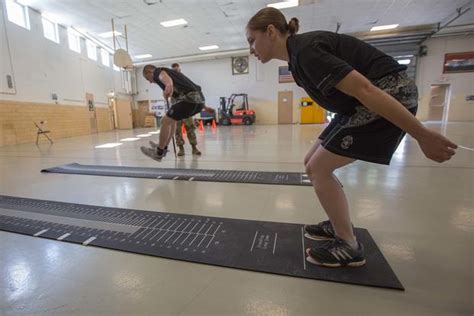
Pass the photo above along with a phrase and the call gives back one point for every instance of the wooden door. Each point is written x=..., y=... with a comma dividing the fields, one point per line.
x=143, y=110
x=124, y=114
x=285, y=107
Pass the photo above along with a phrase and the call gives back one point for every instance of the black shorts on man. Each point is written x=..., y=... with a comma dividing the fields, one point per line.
x=185, y=105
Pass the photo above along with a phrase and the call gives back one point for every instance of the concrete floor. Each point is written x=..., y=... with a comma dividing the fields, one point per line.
x=419, y=212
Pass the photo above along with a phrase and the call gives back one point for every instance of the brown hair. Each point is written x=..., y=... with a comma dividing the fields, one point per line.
x=174, y=65
x=263, y=18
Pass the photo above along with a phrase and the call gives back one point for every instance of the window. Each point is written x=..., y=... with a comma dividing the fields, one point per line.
x=91, y=50
x=104, y=55
x=18, y=14
x=116, y=68
x=74, y=40
x=50, y=30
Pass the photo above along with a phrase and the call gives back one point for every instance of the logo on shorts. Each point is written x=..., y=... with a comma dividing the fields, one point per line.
x=347, y=142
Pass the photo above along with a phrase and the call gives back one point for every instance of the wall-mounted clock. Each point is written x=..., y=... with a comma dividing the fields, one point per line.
x=240, y=65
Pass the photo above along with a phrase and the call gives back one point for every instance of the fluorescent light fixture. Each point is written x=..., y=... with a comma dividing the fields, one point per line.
x=384, y=27
x=142, y=56
x=404, y=61
x=157, y=132
x=109, y=145
x=209, y=47
x=143, y=135
x=109, y=34
x=284, y=4
x=130, y=139
x=174, y=22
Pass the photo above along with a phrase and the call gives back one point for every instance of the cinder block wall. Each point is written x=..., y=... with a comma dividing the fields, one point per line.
x=17, y=127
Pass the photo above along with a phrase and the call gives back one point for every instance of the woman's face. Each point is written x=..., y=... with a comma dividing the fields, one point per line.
x=261, y=44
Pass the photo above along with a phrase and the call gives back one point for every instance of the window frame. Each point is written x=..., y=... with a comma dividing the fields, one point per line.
x=103, y=53
x=55, y=29
x=77, y=39
x=25, y=15
x=89, y=44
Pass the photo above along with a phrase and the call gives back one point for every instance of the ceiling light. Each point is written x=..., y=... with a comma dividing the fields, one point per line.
x=384, y=27
x=174, y=23
x=404, y=61
x=143, y=135
x=142, y=56
x=209, y=47
x=284, y=4
x=109, y=34
x=109, y=145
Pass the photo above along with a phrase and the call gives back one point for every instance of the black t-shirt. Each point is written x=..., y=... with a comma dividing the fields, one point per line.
x=320, y=59
x=181, y=83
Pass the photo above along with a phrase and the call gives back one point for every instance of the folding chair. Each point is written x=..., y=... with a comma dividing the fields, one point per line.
x=42, y=131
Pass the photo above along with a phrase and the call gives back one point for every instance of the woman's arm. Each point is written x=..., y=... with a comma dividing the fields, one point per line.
x=168, y=82
x=434, y=145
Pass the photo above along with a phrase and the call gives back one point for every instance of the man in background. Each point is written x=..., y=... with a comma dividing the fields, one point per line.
x=188, y=125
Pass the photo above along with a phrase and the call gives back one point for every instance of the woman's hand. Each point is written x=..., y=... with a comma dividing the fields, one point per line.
x=435, y=146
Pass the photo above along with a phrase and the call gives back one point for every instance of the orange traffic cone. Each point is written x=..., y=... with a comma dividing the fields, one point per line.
x=214, y=124
x=201, y=126
x=183, y=130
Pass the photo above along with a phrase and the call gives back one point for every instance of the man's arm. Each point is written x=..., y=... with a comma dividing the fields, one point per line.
x=168, y=82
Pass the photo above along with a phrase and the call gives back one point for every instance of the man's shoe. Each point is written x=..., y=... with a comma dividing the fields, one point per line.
x=155, y=146
x=321, y=231
x=336, y=253
x=196, y=151
x=152, y=153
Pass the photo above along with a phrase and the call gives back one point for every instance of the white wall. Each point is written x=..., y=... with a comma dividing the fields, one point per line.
x=41, y=67
x=216, y=79
x=430, y=71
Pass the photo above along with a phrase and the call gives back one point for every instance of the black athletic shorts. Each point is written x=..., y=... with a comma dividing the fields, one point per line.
x=186, y=105
x=182, y=110
x=365, y=135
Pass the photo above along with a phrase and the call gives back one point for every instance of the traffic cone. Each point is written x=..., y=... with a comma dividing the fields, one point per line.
x=201, y=126
x=214, y=124
x=183, y=130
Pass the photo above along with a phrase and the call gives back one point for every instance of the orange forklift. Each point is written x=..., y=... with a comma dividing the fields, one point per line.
x=235, y=110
